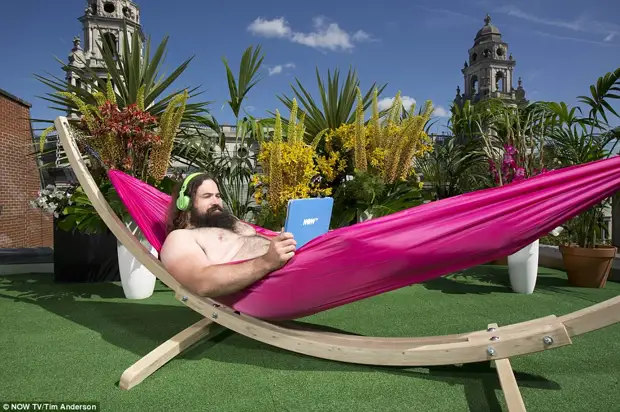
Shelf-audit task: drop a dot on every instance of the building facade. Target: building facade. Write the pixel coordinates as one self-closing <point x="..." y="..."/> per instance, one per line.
<point x="21" y="226"/>
<point x="103" y="25"/>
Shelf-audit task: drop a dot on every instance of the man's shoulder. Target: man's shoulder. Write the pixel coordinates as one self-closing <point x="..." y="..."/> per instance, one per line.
<point x="176" y="241"/>
<point x="180" y="232"/>
<point x="179" y="235"/>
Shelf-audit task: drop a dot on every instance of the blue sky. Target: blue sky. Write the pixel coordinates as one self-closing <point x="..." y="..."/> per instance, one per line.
<point x="416" y="46"/>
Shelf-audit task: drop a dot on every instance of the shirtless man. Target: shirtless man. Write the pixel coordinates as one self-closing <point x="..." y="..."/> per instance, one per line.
<point x="202" y="237"/>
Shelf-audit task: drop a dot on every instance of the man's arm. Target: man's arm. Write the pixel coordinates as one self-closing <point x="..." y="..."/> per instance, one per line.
<point x="218" y="280"/>
<point x="188" y="263"/>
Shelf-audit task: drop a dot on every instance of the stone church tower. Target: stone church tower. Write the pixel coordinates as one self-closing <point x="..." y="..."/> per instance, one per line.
<point x="102" y="19"/>
<point x="490" y="69"/>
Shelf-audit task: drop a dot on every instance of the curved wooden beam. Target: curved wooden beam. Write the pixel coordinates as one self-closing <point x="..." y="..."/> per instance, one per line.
<point x="488" y="344"/>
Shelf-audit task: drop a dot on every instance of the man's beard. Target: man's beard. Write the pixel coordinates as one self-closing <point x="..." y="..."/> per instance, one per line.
<point x="214" y="217"/>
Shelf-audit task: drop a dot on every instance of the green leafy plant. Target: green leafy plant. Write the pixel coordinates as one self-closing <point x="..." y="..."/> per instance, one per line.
<point x="80" y="215"/>
<point x="135" y="74"/>
<point x="338" y="102"/>
<point x="368" y="196"/>
<point x="453" y="167"/>
<point x="133" y="77"/>
<point x="578" y="140"/>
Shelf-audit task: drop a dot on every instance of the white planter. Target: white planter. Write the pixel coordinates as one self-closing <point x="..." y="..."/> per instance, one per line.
<point x="523" y="268"/>
<point x="137" y="281"/>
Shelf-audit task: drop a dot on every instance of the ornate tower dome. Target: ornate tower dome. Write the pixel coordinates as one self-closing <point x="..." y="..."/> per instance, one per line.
<point x="489" y="71"/>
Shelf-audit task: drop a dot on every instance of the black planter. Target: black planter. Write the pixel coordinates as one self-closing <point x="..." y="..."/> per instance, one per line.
<point x="85" y="258"/>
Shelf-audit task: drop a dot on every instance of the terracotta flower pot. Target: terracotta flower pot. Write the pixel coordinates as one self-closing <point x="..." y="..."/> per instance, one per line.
<point x="588" y="267"/>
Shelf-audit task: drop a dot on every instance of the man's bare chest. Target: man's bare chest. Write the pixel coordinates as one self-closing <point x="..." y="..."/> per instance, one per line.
<point x="218" y="244"/>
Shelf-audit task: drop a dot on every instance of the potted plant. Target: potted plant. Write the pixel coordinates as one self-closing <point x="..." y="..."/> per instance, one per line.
<point x="514" y="146"/>
<point x="577" y="140"/>
<point x="587" y="258"/>
<point x="84" y="249"/>
<point x="131" y="140"/>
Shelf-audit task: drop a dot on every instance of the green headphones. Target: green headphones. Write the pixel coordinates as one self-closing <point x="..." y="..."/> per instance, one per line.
<point x="183" y="201"/>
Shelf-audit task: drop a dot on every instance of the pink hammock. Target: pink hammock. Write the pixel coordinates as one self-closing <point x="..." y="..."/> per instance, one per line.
<point x="411" y="246"/>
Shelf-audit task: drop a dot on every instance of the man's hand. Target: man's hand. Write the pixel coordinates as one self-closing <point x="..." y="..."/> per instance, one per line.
<point x="281" y="250"/>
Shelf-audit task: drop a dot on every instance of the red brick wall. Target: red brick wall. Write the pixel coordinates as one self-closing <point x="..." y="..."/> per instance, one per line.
<point x="21" y="226"/>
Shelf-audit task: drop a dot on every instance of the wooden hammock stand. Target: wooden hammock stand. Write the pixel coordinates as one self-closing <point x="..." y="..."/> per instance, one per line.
<point x="495" y="343"/>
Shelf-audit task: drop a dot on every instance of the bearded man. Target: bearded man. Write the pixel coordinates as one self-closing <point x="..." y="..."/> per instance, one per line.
<point x="202" y="237"/>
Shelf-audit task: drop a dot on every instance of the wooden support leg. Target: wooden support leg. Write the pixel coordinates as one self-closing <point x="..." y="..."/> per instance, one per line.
<point x="509" y="383"/>
<point x="159" y="356"/>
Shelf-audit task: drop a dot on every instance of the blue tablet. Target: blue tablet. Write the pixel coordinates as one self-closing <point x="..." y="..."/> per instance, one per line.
<point x="308" y="218"/>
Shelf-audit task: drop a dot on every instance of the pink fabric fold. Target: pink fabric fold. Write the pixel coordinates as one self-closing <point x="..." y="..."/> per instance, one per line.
<point x="411" y="246"/>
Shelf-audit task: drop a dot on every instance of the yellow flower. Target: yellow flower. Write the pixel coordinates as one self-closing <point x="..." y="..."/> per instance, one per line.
<point x="289" y="166"/>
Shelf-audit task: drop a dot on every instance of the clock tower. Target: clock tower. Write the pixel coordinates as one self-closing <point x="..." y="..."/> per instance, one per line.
<point x="489" y="71"/>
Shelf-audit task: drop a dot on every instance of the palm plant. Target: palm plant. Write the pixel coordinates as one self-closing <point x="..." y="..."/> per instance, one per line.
<point x="453" y="168"/>
<point x="599" y="93"/>
<point x="135" y="75"/>
<point x="578" y="140"/>
<point x="338" y="102"/>
<point x="458" y="165"/>
<point x="130" y="70"/>
<point x="466" y="121"/>
<point x="203" y="144"/>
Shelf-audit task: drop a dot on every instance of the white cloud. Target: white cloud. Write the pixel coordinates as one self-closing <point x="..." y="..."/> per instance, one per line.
<point x="387" y="102"/>
<point x="440" y="111"/>
<point x="583" y="24"/>
<point x="361" y="36"/>
<point x="326" y="36"/>
<point x="571" y="38"/>
<point x="277" y="69"/>
<point x="250" y="109"/>
<point x="516" y="12"/>
<point x="270" y="28"/>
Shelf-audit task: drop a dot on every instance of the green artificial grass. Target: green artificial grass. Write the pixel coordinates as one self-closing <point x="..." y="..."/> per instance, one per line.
<point x="71" y="342"/>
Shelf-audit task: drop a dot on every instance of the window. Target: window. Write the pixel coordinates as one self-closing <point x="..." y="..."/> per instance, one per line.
<point x="109" y="7"/>
<point x="474" y="85"/>
<point x="499" y="81"/>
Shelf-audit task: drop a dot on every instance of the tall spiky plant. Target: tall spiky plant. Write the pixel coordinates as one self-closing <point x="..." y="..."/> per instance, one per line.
<point x="359" y="153"/>
<point x="290" y="166"/>
<point x="135" y="73"/>
<point x="338" y="103"/>
<point x="159" y="159"/>
<point x="275" y="166"/>
<point x="390" y="146"/>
